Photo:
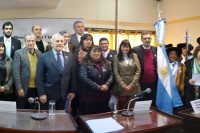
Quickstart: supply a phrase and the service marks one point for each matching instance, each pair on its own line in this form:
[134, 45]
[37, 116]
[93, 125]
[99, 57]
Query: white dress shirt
[7, 42]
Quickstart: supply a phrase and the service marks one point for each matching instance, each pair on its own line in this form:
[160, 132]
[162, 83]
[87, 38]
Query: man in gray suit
[24, 72]
[56, 77]
[76, 37]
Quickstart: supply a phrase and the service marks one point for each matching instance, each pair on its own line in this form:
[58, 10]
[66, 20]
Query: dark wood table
[191, 121]
[152, 122]
[21, 122]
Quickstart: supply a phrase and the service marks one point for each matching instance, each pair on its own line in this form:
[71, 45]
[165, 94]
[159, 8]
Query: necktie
[59, 61]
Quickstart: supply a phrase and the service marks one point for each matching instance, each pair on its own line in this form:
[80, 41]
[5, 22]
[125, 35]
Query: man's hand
[20, 92]
[71, 96]
[43, 99]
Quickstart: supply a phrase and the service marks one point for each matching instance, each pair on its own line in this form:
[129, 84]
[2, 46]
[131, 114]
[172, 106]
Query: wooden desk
[191, 121]
[21, 122]
[153, 122]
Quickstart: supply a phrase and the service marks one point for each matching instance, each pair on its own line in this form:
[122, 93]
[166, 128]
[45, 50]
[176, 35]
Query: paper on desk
[6, 106]
[104, 125]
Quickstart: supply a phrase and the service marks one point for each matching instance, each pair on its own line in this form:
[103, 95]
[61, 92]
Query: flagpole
[186, 41]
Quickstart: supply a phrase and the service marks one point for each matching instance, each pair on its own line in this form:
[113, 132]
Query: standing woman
[95, 76]
[126, 67]
[85, 44]
[6, 79]
[192, 90]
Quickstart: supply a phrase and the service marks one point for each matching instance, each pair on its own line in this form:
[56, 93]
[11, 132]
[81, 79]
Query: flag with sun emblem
[167, 94]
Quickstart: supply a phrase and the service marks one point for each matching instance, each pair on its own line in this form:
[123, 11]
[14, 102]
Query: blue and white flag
[167, 93]
[160, 30]
[167, 96]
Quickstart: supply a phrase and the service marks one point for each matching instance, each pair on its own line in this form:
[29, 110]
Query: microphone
[38, 115]
[137, 96]
[33, 100]
[148, 90]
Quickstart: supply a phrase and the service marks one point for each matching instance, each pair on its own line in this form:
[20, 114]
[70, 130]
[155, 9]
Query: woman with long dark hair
[126, 68]
[95, 79]
[6, 80]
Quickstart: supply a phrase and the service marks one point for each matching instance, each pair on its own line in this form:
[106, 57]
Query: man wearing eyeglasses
[147, 55]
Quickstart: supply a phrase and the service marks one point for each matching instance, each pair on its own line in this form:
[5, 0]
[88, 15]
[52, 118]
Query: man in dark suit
[106, 51]
[56, 76]
[147, 55]
[12, 44]
[24, 72]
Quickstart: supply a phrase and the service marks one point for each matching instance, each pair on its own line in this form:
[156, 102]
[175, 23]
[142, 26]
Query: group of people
[72, 68]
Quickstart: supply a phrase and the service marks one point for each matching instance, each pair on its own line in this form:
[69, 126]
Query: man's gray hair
[29, 34]
[56, 36]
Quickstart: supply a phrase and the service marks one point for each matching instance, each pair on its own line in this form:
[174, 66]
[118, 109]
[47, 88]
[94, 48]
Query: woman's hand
[104, 87]
[127, 88]
[191, 81]
[2, 89]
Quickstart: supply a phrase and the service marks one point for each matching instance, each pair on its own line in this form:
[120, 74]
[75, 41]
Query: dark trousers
[22, 102]
[86, 108]
[152, 95]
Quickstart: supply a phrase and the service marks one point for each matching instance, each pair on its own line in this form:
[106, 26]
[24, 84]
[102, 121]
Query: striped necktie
[59, 61]
[196, 91]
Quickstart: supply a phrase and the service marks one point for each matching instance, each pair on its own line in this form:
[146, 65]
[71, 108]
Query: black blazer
[15, 45]
[110, 56]
[138, 50]
[189, 89]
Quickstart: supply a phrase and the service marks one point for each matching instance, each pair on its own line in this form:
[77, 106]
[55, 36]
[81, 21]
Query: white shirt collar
[79, 37]
[146, 47]
[105, 54]
[7, 39]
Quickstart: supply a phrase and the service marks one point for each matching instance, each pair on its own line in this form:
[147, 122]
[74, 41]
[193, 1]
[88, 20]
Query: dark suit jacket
[50, 81]
[110, 56]
[189, 89]
[15, 45]
[138, 50]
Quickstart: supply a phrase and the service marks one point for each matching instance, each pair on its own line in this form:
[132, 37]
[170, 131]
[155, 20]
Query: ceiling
[17, 4]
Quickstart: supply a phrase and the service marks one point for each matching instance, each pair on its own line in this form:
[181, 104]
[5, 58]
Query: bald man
[40, 44]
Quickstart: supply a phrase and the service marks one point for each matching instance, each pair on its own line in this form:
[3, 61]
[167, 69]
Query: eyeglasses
[147, 38]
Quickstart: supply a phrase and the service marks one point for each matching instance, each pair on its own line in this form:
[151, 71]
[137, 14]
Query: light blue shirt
[7, 42]
[61, 56]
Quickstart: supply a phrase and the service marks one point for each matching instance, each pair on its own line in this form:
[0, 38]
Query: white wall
[133, 15]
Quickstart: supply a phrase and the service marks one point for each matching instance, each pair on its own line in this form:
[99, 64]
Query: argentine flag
[167, 96]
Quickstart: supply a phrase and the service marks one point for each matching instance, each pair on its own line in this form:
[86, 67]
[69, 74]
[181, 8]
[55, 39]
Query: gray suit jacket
[21, 69]
[74, 40]
[50, 81]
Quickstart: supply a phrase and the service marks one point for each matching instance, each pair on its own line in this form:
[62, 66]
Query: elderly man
[24, 72]
[56, 77]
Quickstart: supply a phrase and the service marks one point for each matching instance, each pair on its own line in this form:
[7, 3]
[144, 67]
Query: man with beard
[40, 44]
[12, 44]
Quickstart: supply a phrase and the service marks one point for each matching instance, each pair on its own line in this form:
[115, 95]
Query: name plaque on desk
[196, 106]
